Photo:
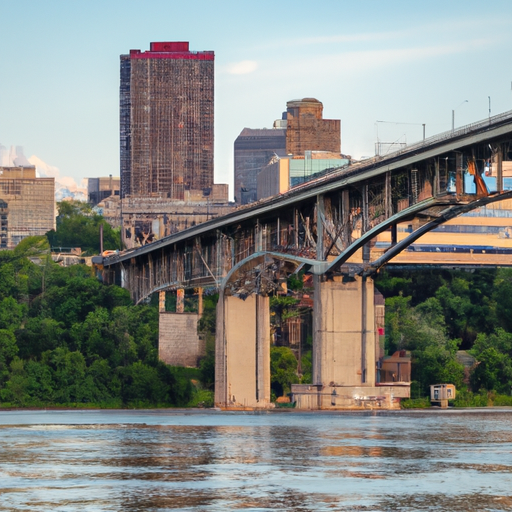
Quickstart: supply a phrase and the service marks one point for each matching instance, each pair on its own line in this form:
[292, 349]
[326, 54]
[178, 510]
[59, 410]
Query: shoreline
[219, 411]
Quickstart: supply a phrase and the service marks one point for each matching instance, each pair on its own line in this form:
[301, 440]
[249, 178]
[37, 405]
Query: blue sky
[402, 62]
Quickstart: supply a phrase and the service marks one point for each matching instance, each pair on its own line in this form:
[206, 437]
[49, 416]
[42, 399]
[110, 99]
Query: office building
[301, 131]
[166, 142]
[166, 116]
[99, 189]
[254, 148]
[27, 205]
[283, 173]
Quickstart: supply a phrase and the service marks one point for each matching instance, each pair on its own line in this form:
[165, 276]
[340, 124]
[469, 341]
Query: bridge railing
[463, 130]
[439, 137]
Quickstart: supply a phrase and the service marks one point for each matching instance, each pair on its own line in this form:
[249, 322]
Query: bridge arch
[442, 212]
[270, 261]
[242, 339]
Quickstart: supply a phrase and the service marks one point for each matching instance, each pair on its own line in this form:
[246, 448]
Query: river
[220, 461]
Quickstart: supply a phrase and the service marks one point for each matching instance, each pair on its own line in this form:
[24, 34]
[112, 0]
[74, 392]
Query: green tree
[141, 383]
[421, 330]
[207, 363]
[8, 349]
[79, 226]
[11, 314]
[16, 388]
[493, 370]
[503, 297]
[41, 384]
[283, 370]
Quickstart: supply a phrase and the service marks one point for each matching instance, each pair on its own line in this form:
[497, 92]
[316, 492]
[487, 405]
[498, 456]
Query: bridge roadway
[329, 227]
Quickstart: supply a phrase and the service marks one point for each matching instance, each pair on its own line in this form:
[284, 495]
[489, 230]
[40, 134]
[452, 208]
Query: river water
[222, 461]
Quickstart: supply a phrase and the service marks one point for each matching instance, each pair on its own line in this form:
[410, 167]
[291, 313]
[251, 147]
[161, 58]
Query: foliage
[208, 319]
[296, 281]
[201, 398]
[66, 339]
[79, 226]
[306, 366]
[283, 370]
[470, 311]
[494, 355]
[415, 403]
[466, 398]
[503, 297]
[282, 307]
[207, 363]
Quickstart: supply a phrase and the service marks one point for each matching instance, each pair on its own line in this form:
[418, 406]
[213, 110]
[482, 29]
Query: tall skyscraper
[166, 117]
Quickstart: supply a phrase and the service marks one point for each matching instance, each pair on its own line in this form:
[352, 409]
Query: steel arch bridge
[329, 225]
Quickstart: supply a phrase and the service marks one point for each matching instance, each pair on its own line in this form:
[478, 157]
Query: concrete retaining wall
[178, 342]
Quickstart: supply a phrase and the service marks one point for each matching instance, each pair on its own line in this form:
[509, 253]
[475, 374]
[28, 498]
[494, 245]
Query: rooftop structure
[306, 130]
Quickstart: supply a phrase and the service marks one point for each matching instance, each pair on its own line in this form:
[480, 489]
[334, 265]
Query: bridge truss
[327, 226]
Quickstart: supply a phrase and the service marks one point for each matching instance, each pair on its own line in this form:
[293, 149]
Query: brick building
[301, 130]
[166, 116]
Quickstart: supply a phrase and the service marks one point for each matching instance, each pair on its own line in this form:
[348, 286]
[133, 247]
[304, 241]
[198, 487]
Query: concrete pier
[344, 332]
[242, 355]
[344, 350]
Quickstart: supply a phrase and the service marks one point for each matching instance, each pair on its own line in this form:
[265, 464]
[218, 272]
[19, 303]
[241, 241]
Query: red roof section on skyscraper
[171, 50]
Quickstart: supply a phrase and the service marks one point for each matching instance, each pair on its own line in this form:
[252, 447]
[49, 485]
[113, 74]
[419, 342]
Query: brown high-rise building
[166, 117]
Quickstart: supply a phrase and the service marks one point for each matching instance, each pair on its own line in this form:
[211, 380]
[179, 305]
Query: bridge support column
[344, 351]
[242, 352]
[344, 332]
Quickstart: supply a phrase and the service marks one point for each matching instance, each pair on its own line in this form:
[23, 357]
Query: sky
[384, 68]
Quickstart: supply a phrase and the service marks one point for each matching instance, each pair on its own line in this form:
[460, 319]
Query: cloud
[243, 67]
[65, 186]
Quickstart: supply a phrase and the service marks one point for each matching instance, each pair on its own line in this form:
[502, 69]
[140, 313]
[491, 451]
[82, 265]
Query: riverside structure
[328, 228]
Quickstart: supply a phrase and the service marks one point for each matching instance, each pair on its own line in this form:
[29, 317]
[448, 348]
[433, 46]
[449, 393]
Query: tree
[283, 370]
[8, 348]
[79, 226]
[503, 297]
[422, 331]
[493, 371]
[11, 314]
[16, 387]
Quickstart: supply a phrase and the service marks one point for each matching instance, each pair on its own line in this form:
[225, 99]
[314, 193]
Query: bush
[415, 403]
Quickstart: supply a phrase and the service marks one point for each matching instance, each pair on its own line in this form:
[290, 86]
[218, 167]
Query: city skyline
[400, 64]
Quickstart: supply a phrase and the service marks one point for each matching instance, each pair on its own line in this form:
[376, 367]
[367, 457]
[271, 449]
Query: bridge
[328, 227]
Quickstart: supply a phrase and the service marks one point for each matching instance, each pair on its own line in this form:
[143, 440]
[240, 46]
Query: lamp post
[453, 114]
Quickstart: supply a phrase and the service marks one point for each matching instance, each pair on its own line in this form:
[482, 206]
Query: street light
[453, 114]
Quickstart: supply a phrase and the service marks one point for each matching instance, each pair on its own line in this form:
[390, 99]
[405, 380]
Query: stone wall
[178, 341]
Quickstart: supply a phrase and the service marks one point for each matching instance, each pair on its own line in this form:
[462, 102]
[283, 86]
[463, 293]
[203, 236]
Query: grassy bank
[464, 399]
